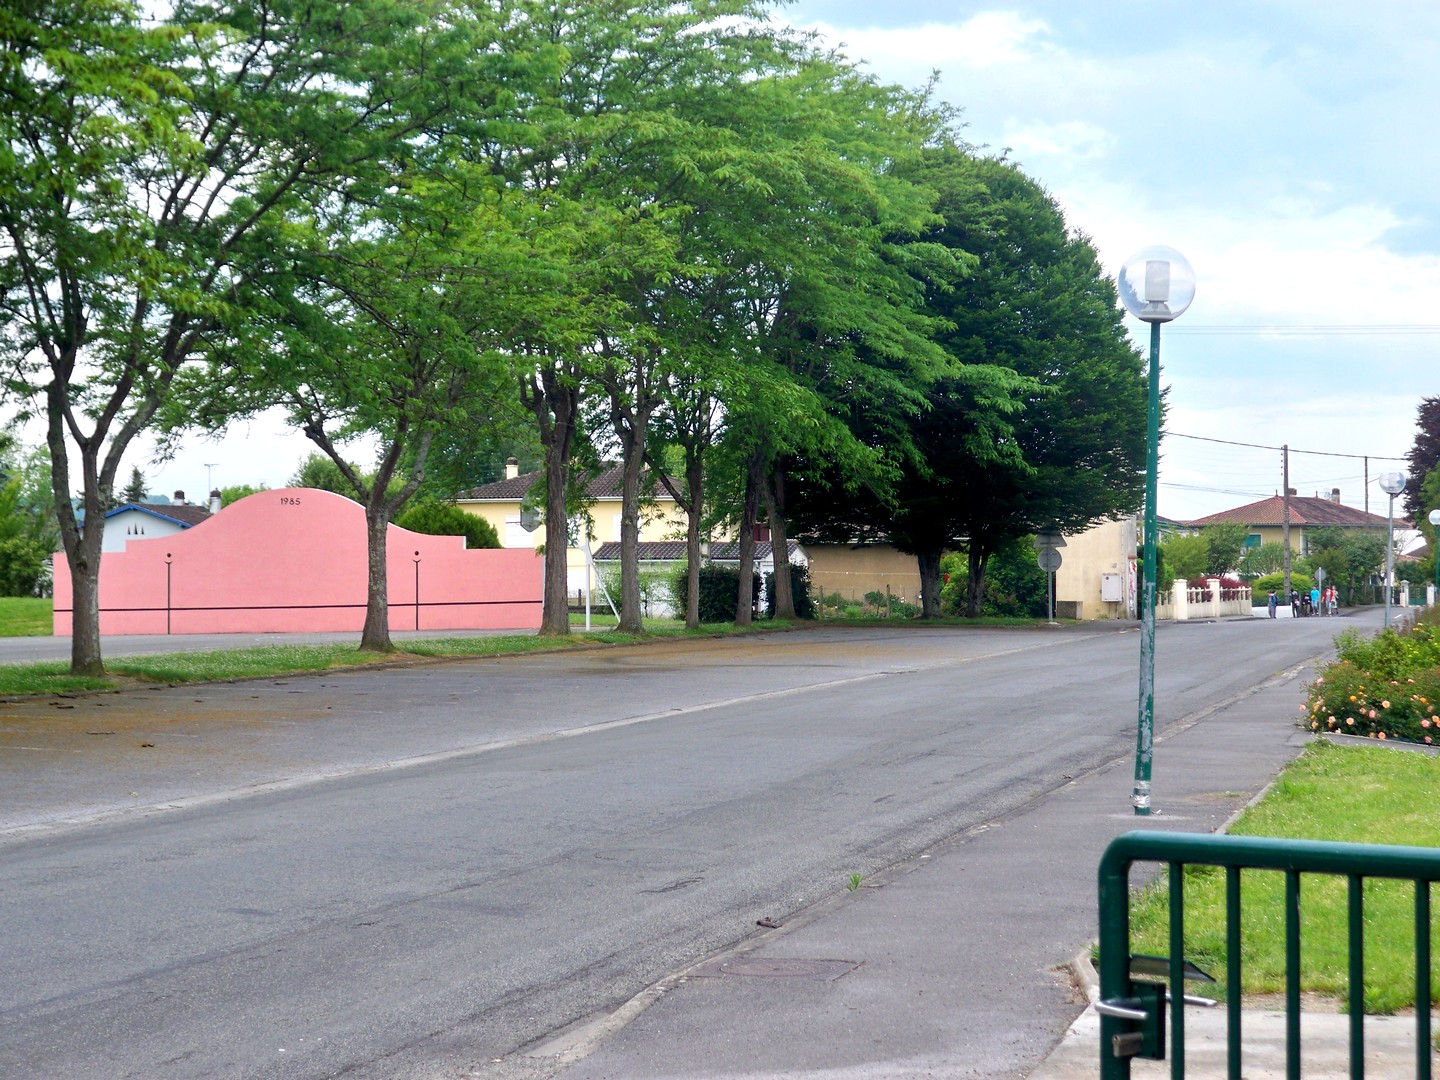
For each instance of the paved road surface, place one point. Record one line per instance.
(420, 872)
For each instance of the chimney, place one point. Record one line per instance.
(1335, 495)
(214, 500)
(512, 468)
(1291, 492)
(179, 499)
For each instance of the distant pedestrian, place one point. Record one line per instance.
(1332, 600)
(1315, 600)
(1274, 603)
(1295, 602)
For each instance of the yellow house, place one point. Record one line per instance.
(501, 503)
(1097, 575)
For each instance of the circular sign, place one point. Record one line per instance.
(1049, 560)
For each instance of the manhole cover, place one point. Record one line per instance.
(762, 967)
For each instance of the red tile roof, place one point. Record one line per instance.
(604, 485)
(1304, 510)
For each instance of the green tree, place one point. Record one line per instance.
(1348, 557)
(149, 165)
(322, 473)
(235, 492)
(1039, 421)
(445, 519)
(1224, 547)
(1265, 559)
(135, 491)
(1186, 556)
(1424, 457)
(28, 535)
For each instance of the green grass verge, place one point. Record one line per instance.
(266, 660)
(1350, 794)
(25, 616)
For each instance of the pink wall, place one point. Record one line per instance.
(294, 561)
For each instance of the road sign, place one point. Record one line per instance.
(1049, 559)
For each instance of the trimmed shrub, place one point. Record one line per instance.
(719, 592)
(442, 519)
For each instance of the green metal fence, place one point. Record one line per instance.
(1133, 1008)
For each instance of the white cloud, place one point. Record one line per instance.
(990, 39)
(1071, 139)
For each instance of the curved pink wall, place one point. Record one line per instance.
(294, 561)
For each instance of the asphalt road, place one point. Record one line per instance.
(418, 872)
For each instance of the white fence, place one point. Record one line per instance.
(1210, 601)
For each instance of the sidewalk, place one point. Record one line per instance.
(956, 965)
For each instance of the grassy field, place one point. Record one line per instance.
(24, 616)
(1350, 794)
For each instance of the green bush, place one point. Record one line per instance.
(1383, 687)
(443, 519)
(719, 592)
(799, 585)
(1261, 586)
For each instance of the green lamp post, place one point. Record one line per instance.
(1435, 551)
(1156, 285)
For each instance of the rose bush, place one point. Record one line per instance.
(1385, 687)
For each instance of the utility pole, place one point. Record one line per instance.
(1285, 517)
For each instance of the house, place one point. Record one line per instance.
(503, 504)
(1098, 575)
(667, 556)
(1265, 519)
(151, 520)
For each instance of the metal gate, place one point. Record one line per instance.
(1135, 990)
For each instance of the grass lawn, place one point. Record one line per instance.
(219, 665)
(1351, 794)
(25, 616)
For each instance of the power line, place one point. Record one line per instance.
(1313, 330)
(1262, 446)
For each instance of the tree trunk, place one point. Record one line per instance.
(781, 583)
(975, 563)
(82, 547)
(375, 636)
(84, 559)
(633, 465)
(929, 564)
(555, 616)
(694, 491)
(745, 603)
(555, 405)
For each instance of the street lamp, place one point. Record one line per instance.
(1156, 285)
(1392, 483)
(1435, 552)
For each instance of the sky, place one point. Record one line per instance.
(1288, 149)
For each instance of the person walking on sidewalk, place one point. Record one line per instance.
(1274, 603)
(1315, 600)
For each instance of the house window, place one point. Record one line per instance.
(1253, 540)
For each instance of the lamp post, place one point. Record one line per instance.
(1392, 483)
(1435, 552)
(1156, 285)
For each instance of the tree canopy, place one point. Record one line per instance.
(653, 232)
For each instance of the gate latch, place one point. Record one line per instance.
(1144, 1014)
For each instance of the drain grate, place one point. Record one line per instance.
(764, 967)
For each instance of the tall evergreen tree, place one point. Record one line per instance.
(1424, 456)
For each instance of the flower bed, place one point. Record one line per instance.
(1385, 687)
